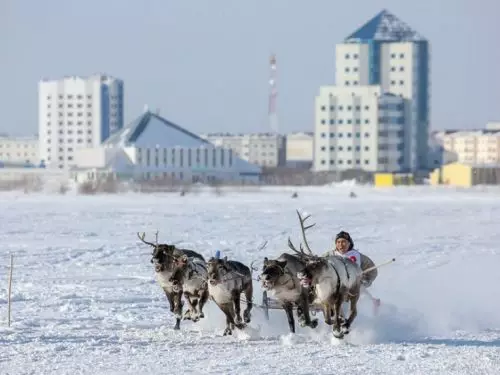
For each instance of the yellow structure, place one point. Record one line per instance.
(466, 175)
(393, 179)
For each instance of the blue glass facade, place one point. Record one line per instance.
(104, 112)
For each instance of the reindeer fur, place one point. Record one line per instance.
(227, 279)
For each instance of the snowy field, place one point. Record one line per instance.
(85, 300)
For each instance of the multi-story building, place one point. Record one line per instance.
(264, 149)
(480, 146)
(300, 150)
(77, 112)
(359, 128)
(392, 61)
(18, 151)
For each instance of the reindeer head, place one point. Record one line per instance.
(313, 269)
(163, 256)
(272, 270)
(217, 269)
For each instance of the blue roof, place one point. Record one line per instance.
(160, 131)
(385, 27)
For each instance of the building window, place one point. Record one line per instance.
(181, 158)
(332, 122)
(332, 148)
(231, 157)
(164, 156)
(206, 157)
(367, 121)
(323, 122)
(347, 83)
(402, 56)
(214, 157)
(332, 162)
(157, 162)
(173, 156)
(332, 108)
(367, 161)
(347, 56)
(222, 157)
(347, 70)
(323, 162)
(189, 157)
(323, 108)
(197, 156)
(323, 148)
(367, 135)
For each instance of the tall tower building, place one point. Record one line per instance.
(77, 112)
(386, 52)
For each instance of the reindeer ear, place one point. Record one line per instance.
(225, 259)
(266, 261)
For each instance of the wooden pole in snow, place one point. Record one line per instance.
(10, 290)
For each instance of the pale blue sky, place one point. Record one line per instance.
(204, 63)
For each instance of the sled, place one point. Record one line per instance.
(271, 304)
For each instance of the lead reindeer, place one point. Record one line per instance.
(189, 277)
(279, 276)
(335, 280)
(164, 258)
(227, 279)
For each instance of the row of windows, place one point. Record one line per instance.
(69, 140)
(340, 161)
(348, 121)
(348, 108)
(401, 69)
(340, 135)
(70, 123)
(7, 154)
(70, 132)
(349, 148)
(348, 69)
(49, 97)
(381, 133)
(7, 145)
(218, 157)
(70, 114)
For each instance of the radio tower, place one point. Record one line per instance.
(273, 93)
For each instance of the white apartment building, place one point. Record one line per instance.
(264, 149)
(472, 146)
(358, 128)
(300, 149)
(387, 55)
(77, 112)
(17, 151)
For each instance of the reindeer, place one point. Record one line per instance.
(189, 277)
(227, 279)
(164, 257)
(335, 280)
(279, 276)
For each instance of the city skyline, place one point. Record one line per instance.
(209, 80)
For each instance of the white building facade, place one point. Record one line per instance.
(17, 151)
(152, 148)
(300, 150)
(264, 149)
(77, 112)
(388, 55)
(358, 128)
(480, 146)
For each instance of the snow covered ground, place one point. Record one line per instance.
(85, 301)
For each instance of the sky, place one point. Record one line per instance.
(205, 64)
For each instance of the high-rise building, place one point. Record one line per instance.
(77, 112)
(384, 58)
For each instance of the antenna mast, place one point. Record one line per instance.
(273, 93)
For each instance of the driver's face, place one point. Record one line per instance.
(342, 245)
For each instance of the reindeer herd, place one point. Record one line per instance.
(299, 280)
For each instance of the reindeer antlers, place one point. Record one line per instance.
(141, 237)
(303, 229)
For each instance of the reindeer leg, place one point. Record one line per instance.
(288, 307)
(170, 299)
(228, 310)
(327, 313)
(352, 314)
(195, 302)
(237, 308)
(190, 311)
(337, 306)
(204, 295)
(303, 311)
(249, 297)
(178, 303)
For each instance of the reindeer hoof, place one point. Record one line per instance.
(240, 325)
(328, 322)
(202, 315)
(338, 334)
(247, 317)
(227, 332)
(345, 328)
(314, 323)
